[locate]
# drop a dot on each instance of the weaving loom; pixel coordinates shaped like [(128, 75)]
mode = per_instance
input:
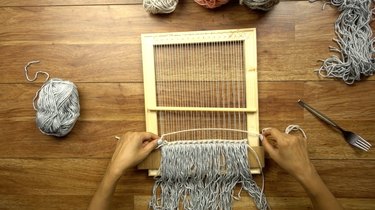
[(201, 97)]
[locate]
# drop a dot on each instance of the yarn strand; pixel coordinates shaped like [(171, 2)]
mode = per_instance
[(36, 74)]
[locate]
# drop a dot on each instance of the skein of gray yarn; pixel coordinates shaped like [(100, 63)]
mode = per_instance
[(264, 5), (160, 6), (56, 104)]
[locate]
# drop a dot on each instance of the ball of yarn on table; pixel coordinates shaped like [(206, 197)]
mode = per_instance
[(57, 107), (260, 4), (56, 104), (211, 3), (160, 6)]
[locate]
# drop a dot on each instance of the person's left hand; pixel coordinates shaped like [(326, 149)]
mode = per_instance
[(131, 149)]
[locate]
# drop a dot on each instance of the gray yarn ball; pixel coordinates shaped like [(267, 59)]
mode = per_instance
[(260, 4), (57, 107), (160, 6)]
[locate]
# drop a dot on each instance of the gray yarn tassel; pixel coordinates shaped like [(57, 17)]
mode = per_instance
[(354, 38), (201, 175)]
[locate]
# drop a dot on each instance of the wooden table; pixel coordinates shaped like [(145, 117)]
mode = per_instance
[(96, 44)]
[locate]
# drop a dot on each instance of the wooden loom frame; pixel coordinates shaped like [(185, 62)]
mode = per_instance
[(248, 38)]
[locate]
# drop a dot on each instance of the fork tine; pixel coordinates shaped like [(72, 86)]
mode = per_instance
[(360, 145), (363, 144), (366, 144), (364, 141)]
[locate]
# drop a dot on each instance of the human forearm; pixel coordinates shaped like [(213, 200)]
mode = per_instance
[(131, 149), (290, 152), (321, 197), (103, 195)]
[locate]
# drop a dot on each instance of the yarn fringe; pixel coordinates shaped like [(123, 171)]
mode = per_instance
[(205, 177), (355, 42)]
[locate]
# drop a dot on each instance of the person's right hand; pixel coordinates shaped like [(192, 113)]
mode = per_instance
[(289, 151)]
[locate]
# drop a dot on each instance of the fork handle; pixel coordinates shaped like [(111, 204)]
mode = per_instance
[(318, 114)]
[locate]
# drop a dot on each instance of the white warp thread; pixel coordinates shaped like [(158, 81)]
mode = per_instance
[(203, 174), (291, 128), (355, 41)]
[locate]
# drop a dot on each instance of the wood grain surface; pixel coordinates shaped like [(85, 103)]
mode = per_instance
[(96, 44)]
